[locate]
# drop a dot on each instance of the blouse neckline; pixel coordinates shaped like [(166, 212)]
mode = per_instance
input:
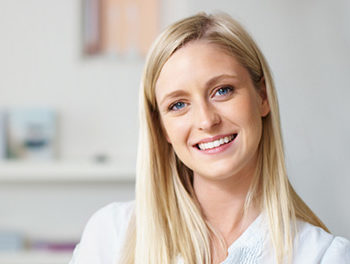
[(248, 246)]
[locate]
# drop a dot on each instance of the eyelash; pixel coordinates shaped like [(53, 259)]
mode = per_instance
[(228, 89), (171, 107)]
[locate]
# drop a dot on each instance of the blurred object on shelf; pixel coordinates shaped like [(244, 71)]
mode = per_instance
[(57, 246), (32, 134), (11, 241), (14, 249), (119, 27), (101, 158), (2, 135)]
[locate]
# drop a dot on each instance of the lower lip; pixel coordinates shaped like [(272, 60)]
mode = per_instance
[(218, 149)]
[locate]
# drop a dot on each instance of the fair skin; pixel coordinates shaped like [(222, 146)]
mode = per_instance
[(211, 113)]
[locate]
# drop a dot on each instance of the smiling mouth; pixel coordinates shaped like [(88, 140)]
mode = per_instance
[(216, 143)]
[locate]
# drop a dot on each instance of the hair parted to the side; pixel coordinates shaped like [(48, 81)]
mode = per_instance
[(168, 221)]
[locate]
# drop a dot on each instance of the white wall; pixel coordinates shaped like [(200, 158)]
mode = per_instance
[(306, 43), (41, 64)]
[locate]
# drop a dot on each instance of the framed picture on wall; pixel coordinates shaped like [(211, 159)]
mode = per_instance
[(119, 27), (91, 26)]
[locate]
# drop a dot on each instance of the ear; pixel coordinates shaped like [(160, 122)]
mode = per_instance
[(264, 106)]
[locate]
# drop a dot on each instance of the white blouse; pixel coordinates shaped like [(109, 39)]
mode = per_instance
[(104, 234)]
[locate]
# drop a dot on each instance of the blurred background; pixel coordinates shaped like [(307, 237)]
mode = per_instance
[(69, 78)]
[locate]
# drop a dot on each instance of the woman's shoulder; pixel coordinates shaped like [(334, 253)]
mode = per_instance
[(115, 213), (315, 243), (113, 217), (104, 234)]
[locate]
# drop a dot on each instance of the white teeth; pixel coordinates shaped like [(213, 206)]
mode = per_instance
[(215, 143)]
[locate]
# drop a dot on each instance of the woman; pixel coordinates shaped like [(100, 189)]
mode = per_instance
[(211, 182)]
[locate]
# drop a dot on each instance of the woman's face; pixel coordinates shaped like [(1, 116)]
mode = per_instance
[(210, 110)]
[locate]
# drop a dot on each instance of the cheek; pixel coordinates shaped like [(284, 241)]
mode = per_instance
[(176, 129), (244, 111), (246, 115), (253, 115), (253, 122)]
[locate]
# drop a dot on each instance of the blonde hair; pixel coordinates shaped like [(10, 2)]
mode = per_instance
[(168, 221)]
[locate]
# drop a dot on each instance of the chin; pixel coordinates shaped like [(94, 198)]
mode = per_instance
[(225, 169), (217, 174)]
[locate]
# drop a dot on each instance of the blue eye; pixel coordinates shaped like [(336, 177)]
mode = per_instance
[(224, 90), (177, 106)]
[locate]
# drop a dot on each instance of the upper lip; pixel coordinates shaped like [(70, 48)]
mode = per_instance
[(213, 138)]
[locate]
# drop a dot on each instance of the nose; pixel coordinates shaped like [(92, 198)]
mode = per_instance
[(206, 117)]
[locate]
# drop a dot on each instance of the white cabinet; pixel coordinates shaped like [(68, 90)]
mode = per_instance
[(64, 172), (36, 187), (33, 257)]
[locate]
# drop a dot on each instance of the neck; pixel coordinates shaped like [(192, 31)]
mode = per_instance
[(222, 203)]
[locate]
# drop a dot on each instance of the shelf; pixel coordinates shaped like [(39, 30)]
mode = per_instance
[(14, 171), (33, 257)]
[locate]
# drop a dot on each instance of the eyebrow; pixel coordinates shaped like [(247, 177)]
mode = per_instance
[(176, 93), (215, 79), (209, 83)]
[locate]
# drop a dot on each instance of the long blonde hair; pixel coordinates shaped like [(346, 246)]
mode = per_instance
[(168, 221)]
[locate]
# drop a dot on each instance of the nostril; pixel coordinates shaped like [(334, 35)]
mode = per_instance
[(209, 121)]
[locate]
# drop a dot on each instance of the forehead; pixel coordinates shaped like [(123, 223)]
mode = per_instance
[(195, 64)]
